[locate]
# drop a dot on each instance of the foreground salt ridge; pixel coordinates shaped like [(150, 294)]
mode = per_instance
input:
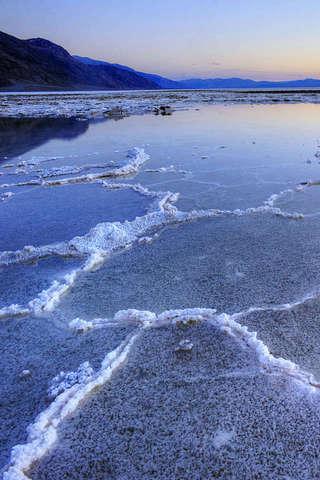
[(104, 240), (42, 434), (161, 213), (225, 322), (48, 299), (42, 174), (136, 158), (107, 238), (102, 104), (69, 389)]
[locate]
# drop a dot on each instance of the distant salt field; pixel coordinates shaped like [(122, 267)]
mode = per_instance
[(115, 104)]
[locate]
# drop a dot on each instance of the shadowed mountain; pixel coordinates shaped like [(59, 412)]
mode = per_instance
[(38, 64), (161, 82), (18, 136)]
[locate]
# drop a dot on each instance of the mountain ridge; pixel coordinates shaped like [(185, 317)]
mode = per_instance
[(40, 64), (161, 81)]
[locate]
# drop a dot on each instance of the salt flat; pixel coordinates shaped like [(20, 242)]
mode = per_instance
[(138, 259), (115, 104)]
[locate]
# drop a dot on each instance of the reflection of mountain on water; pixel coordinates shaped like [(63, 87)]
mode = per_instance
[(18, 136)]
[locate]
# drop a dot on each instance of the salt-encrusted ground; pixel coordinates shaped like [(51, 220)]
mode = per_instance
[(100, 104), (133, 281), (174, 414)]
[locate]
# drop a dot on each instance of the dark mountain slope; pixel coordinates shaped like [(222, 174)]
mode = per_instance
[(162, 82), (39, 64)]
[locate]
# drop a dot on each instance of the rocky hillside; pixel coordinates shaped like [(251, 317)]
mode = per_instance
[(38, 64)]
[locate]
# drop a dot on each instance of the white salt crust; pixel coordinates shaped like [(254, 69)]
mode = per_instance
[(88, 105), (42, 434), (69, 389), (109, 237)]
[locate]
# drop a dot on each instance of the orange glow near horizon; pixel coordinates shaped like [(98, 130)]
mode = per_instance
[(181, 38)]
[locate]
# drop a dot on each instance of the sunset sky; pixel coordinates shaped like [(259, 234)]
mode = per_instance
[(274, 39)]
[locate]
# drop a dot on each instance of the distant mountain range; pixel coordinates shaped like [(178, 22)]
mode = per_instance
[(38, 64), (209, 83), (246, 83)]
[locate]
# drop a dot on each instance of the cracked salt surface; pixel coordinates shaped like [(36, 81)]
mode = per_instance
[(45, 348), (220, 263), (162, 417), (24, 282), (108, 394)]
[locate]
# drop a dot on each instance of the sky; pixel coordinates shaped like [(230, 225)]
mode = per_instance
[(258, 39)]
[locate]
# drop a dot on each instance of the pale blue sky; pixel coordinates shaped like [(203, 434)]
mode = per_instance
[(276, 39)]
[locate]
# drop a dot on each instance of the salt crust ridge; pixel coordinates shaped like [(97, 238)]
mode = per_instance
[(69, 389), (136, 158), (109, 237), (42, 434)]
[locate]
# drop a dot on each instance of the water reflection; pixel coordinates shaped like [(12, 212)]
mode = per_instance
[(18, 136)]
